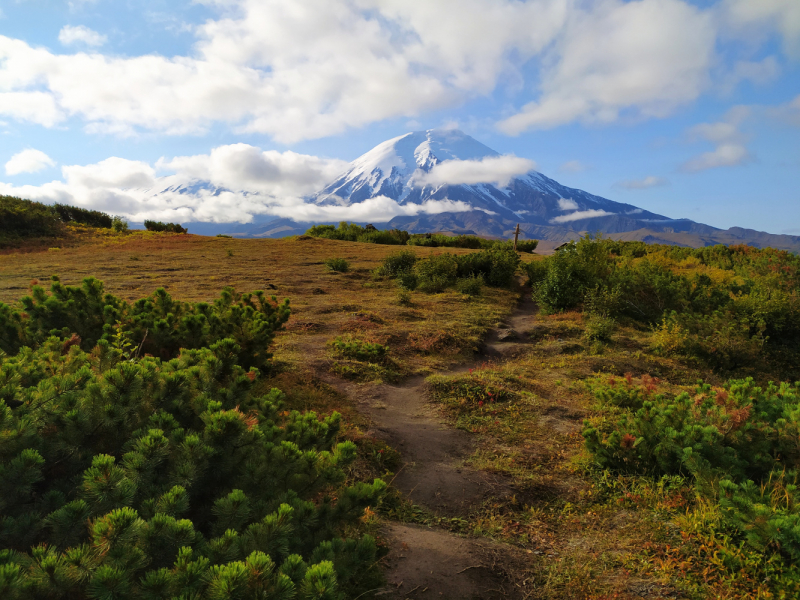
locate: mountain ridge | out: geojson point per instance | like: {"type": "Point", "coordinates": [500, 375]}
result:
{"type": "Point", "coordinates": [438, 165]}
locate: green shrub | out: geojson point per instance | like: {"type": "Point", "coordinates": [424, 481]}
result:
{"type": "Point", "coordinates": [527, 245]}
{"type": "Point", "coordinates": [599, 328]}
{"type": "Point", "coordinates": [571, 272]}
{"type": "Point", "coordinates": [767, 515]}
{"type": "Point", "coordinates": [407, 280]}
{"type": "Point", "coordinates": [497, 265]}
{"type": "Point", "coordinates": [397, 263]}
{"type": "Point", "coordinates": [164, 227]}
{"type": "Point", "coordinates": [337, 265]}
{"type": "Point", "coordinates": [74, 214]}
{"type": "Point", "coordinates": [723, 340]}
{"type": "Point", "coordinates": [359, 349]}
{"type": "Point", "coordinates": [439, 240]}
{"type": "Point", "coordinates": [742, 432]}
{"type": "Point", "coordinates": [170, 479]}
{"type": "Point", "coordinates": [119, 224]}
{"type": "Point", "coordinates": [436, 273]}
{"type": "Point", "coordinates": [157, 325]}
{"type": "Point", "coordinates": [536, 270]}
{"type": "Point", "coordinates": [352, 232]}
{"type": "Point", "coordinates": [471, 286]}
{"type": "Point", "coordinates": [23, 218]}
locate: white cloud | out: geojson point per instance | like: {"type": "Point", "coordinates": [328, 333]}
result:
{"type": "Point", "coordinates": [759, 72]}
{"type": "Point", "coordinates": [245, 167]}
{"type": "Point", "coordinates": [380, 208]}
{"type": "Point", "coordinates": [295, 70]}
{"type": "Point", "coordinates": [581, 214]}
{"type": "Point", "coordinates": [28, 161]}
{"type": "Point", "coordinates": [724, 155]}
{"type": "Point", "coordinates": [758, 17]}
{"type": "Point", "coordinates": [573, 166]}
{"type": "Point", "coordinates": [308, 69]}
{"type": "Point", "coordinates": [194, 188]}
{"type": "Point", "coordinates": [567, 204]}
{"type": "Point", "coordinates": [80, 34]}
{"type": "Point", "coordinates": [788, 113]}
{"type": "Point", "coordinates": [646, 58]}
{"type": "Point", "coordinates": [650, 181]}
{"type": "Point", "coordinates": [730, 149]}
{"type": "Point", "coordinates": [499, 170]}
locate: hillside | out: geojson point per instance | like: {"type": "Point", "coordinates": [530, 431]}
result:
{"type": "Point", "coordinates": [506, 419]}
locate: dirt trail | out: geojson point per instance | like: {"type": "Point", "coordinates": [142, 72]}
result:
{"type": "Point", "coordinates": [430, 563]}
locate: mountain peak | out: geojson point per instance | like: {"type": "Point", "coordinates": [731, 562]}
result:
{"type": "Point", "coordinates": [388, 169]}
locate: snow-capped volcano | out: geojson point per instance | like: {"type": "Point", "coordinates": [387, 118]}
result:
{"type": "Point", "coordinates": [389, 169]}
{"type": "Point", "coordinates": [450, 165]}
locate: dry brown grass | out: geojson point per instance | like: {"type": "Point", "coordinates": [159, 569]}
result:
{"type": "Point", "coordinates": [432, 332]}
{"type": "Point", "coordinates": [584, 542]}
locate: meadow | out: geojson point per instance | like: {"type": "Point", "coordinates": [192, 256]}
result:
{"type": "Point", "coordinates": [575, 382]}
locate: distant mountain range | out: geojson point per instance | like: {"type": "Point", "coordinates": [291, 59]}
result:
{"type": "Point", "coordinates": [415, 168]}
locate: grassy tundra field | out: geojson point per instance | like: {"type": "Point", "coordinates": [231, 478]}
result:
{"type": "Point", "coordinates": [611, 405]}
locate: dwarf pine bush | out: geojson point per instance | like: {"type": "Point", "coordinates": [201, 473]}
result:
{"type": "Point", "coordinates": [131, 476]}
{"type": "Point", "coordinates": [741, 444]}
{"type": "Point", "coordinates": [158, 324]}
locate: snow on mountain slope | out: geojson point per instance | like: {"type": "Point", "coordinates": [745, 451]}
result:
{"type": "Point", "coordinates": [400, 167]}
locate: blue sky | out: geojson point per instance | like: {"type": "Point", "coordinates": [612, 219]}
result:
{"type": "Point", "coordinates": [688, 109]}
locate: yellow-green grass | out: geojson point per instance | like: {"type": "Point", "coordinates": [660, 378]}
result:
{"type": "Point", "coordinates": [429, 332]}
{"type": "Point", "coordinates": [590, 534]}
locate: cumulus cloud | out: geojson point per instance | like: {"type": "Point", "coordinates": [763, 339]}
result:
{"type": "Point", "coordinates": [573, 166]}
{"type": "Point", "coordinates": [245, 167]}
{"type": "Point", "coordinates": [80, 34]}
{"type": "Point", "coordinates": [646, 58]}
{"type": "Point", "coordinates": [231, 183]}
{"type": "Point", "coordinates": [28, 161]}
{"type": "Point", "coordinates": [308, 69]}
{"type": "Point", "coordinates": [567, 204]}
{"type": "Point", "coordinates": [730, 149]}
{"type": "Point", "coordinates": [650, 181]}
{"type": "Point", "coordinates": [295, 70]}
{"type": "Point", "coordinates": [581, 214]}
{"type": "Point", "coordinates": [499, 170]}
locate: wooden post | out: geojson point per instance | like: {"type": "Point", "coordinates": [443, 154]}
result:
{"type": "Point", "coordinates": [516, 235]}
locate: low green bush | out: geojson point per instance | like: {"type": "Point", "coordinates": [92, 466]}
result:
{"type": "Point", "coordinates": [23, 218]}
{"type": "Point", "coordinates": [599, 328]}
{"type": "Point", "coordinates": [527, 245]}
{"type": "Point", "coordinates": [136, 477]}
{"type": "Point", "coordinates": [357, 349]}
{"type": "Point", "coordinates": [765, 515]}
{"type": "Point", "coordinates": [497, 265]}
{"type": "Point", "coordinates": [352, 232]}
{"type": "Point", "coordinates": [439, 240]}
{"type": "Point", "coordinates": [471, 286]}
{"type": "Point", "coordinates": [397, 263]}
{"type": "Point", "coordinates": [119, 224]}
{"type": "Point", "coordinates": [740, 444]}
{"type": "Point", "coordinates": [536, 270]}
{"type": "Point", "coordinates": [164, 227]}
{"type": "Point", "coordinates": [742, 432]}
{"type": "Point", "coordinates": [157, 325]}
{"type": "Point", "coordinates": [337, 265]}
{"type": "Point", "coordinates": [436, 273]}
